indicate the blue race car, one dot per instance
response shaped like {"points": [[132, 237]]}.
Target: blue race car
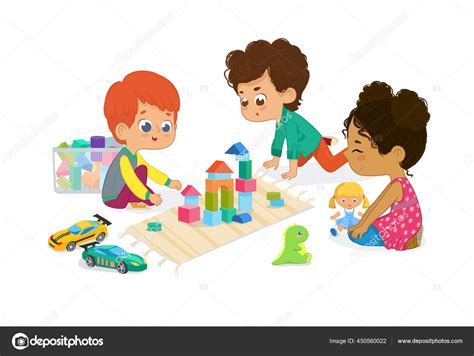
{"points": [[111, 256]]}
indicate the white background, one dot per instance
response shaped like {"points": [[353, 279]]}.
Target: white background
{"points": [[57, 60]]}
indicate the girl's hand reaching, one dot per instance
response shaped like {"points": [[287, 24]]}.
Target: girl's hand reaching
{"points": [[358, 230]]}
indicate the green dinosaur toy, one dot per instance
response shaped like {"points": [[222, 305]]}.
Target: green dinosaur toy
{"points": [[294, 250]]}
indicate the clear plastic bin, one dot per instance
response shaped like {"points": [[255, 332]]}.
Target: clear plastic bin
{"points": [[81, 170]]}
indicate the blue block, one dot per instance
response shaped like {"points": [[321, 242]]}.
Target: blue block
{"points": [[242, 157], [84, 163], [237, 149], [191, 201], [212, 218], [242, 218], [280, 202], [219, 176], [245, 202]]}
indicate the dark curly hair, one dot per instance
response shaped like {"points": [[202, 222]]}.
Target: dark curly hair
{"points": [[285, 63], [392, 120]]}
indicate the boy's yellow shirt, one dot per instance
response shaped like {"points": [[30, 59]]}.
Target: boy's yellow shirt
{"points": [[132, 181]]}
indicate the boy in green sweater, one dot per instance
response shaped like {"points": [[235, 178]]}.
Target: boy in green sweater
{"points": [[269, 79]]}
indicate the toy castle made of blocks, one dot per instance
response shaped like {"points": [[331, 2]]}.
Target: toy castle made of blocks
{"points": [[220, 180]]}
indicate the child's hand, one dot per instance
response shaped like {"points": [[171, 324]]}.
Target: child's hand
{"points": [[175, 184], [156, 199], [273, 163], [358, 230]]}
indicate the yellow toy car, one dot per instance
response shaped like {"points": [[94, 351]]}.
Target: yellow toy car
{"points": [[79, 234]]}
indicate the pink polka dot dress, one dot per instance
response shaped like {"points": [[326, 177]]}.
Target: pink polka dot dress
{"points": [[403, 221]]}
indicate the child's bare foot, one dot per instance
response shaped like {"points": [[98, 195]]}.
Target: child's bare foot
{"points": [[415, 241], [138, 205]]}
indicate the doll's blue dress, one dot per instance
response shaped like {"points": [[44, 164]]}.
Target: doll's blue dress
{"points": [[348, 220]]}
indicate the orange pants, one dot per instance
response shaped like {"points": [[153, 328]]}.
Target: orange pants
{"points": [[325, 158]]}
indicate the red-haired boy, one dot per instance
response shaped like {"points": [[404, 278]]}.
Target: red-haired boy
{"points": [[141, 112]]}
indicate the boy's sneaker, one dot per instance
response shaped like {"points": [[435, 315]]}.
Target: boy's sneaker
{"points": [[334, 232]]}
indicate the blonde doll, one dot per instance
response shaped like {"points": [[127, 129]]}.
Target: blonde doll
{"points": [[349, 196]]}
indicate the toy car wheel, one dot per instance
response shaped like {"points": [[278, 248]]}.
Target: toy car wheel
{"points": [[71, 246], [90, 261], [100, 237], [122, 268]]}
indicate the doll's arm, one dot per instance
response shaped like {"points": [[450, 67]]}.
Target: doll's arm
{"points": [[336, 215]]}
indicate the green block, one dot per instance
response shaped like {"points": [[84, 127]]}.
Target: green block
{"points": [[228, 214], [227, 198], [245, 169], [273, 195], [63, 182], [80, 144], [212, 201], [75, 176], [154, 226], [66, 155]]}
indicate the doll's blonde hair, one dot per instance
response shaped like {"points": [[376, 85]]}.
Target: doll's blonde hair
{"points": [[348, 189]]}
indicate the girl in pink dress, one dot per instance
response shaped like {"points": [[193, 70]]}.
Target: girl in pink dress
{"points": [[386, 136]]}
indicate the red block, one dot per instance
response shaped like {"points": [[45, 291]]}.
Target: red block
{"points": [[246, 185], [189, 213]]}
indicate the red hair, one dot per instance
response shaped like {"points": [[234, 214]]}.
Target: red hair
{"points": [[121, 101]]}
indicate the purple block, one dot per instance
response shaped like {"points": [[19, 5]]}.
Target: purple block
{"points": [[97, 142]]}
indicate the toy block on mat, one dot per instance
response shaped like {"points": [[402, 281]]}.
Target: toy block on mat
{"points": [[277, 203], [215, 185], [63, 182], [190, 191], [191, 201], [212, 218], [189, 213], [211, 201], [227, 198], [245, 202], [242, 218], [245, 157], [245, 185], [219, 167], [228, 214], [154, 226], [83, 162], [63, 169], [219, 176], [273, 195], [191, 195], [245, 169], [237, 149]]}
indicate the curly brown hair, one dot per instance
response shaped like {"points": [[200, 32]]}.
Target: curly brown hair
{"points": [[286, 65], [392, 120]]}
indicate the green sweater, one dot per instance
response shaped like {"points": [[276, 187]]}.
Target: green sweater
{"points": [[301, 137]]}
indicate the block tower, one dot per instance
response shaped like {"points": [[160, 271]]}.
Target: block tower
{"points": [[245, 184], [219, 177], [190, 212]]}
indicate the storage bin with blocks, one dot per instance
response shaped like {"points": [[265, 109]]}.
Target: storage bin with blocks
{"points": [[81, 166]]}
